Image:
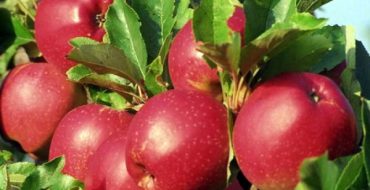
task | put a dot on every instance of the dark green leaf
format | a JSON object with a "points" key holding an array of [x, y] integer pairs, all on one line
{"points": [[262, 15], [183, 13], [123, 29], [362, 69], [351, 172], [210, 21], [83, 75], [361, 181], [349, 83], [310, 5], [366, 137], [318, 51], [65, 182], [105, 58], [157, 22], [280, 36], [22, 36], [318, 173]]}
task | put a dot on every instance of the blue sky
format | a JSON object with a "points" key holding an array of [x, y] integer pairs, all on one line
{"points": [[350, 12]]}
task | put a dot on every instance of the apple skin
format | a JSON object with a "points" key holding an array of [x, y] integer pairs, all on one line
{"points": [[187, 68], [81, 132], [179, 140], [58, 21], [34, 98], [281, 124], [107, 167]]}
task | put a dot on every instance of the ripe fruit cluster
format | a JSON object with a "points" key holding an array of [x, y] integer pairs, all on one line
{"points": [[179, 139]]}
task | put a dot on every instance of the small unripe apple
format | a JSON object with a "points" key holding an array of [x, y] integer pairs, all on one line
{"points": [[179, 140], [287, 119], [81, 132], [188, 70], [106, 169], [34, 98], [58, 21]]}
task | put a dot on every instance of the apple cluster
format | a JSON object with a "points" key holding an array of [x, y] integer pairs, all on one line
{"points": [[181, 139]]}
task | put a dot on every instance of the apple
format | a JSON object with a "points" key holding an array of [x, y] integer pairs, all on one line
{"points": [[187, 68], [106, 169], [179, 140], [287, 119], [58, 21], [81, 132], [34, 98]]}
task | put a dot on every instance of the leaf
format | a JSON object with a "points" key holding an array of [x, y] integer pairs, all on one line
{"points": [[83, 75], [105, 58], [280, 36], [22, 36], [157, 22], [5, 156], [362, 69], [210, 21], [107, 97], [123, 28], [318, 173], [351, 172], [48, 175], [317, 51], [262, 15], [366, 137], [153, 81], [310, 5], [226, 56], [183, 13], [3, 177]]}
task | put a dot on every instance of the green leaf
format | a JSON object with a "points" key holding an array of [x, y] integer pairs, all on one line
{"points": [[48, 175], [5, 156], [262, 15], [22, 36], [318, 173], [277, 38], [366, 138], [317, 51], [310, 5], [157, 22], [351, 172], [105, 58], [349, 83], [83, 75], [123, 28], [183, 13], [3, 177], [362, 69], [107, 97], [210, 21], [81, 41], [153, 80]]}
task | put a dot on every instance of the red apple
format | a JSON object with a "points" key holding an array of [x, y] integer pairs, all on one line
{"points": [[188, 70], [179, 140], [34, 98], [58, 21], [287, 119], [107, 167], [82, 131]]}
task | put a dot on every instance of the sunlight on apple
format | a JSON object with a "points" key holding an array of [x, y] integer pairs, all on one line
{"points": [[162, 138], [86, 135]]}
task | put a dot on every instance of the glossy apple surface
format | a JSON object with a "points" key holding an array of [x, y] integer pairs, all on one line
{"points": [[81, 132], [107, 167], [188, 70], [58, 21], [34, 98], [287, 119], [179, 140]]}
